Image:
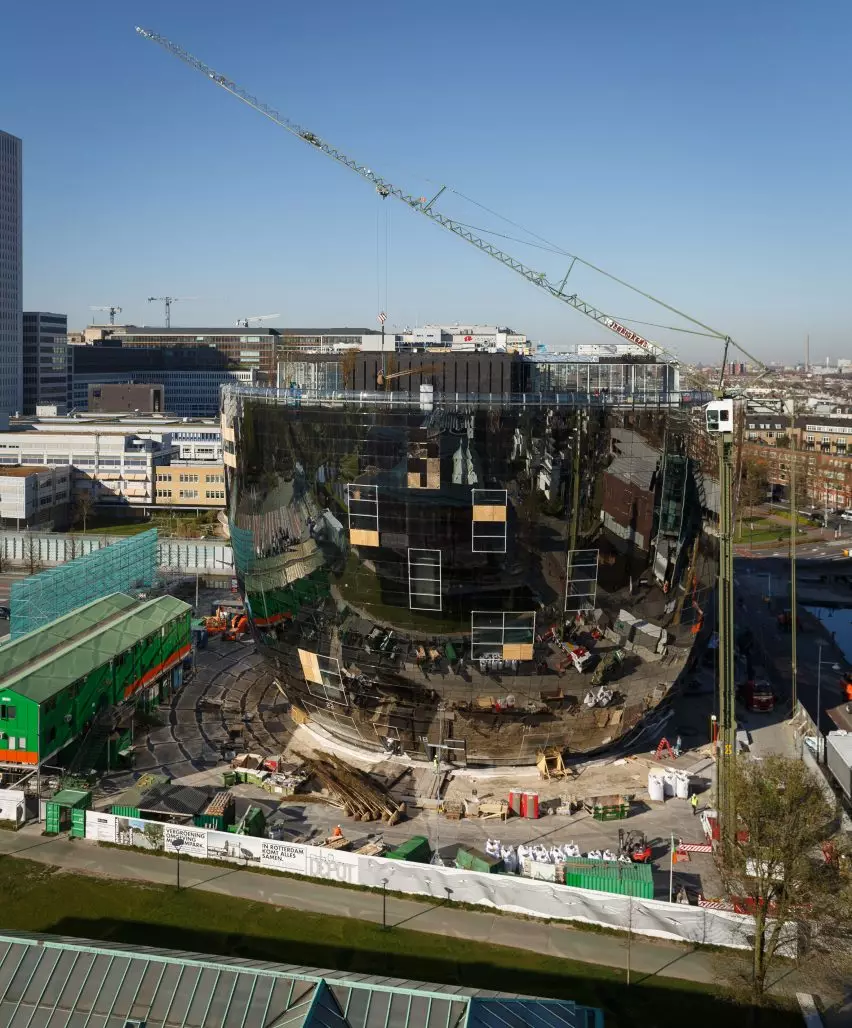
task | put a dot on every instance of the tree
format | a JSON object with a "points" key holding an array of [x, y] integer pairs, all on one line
{"points": [[84, 506], [753, 485], [777, 871], [32, 553]]}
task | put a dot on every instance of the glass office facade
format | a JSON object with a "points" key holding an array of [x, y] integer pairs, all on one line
{"points": [[406, 562]]}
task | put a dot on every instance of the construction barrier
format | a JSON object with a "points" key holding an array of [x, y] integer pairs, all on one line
{"points": [[508, 893]]}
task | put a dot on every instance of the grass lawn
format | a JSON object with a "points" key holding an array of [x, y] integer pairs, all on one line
{"points": [[760, 530], [45, 899], [115, 527]]}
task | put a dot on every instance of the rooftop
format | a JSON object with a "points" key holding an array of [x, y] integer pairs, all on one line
{"points": [[49, 666], [29, 647], [21, 471], [54, 982]]}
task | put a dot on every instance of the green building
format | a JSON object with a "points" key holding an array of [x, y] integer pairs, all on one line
{"points": [[60, 680]]}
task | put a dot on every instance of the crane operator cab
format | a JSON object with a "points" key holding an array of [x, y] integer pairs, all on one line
{"points": [[720, 416]]}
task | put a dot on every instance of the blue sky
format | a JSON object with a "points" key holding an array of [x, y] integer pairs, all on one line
{"points": [[701, 152]]}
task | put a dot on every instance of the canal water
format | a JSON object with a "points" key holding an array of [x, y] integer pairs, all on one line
{"points": [[839, 621]]}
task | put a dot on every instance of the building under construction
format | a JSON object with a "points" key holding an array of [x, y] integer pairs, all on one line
{"points": [[431, 546]]}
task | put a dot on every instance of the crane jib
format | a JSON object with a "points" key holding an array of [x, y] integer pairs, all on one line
{"points": [[628, 333]]}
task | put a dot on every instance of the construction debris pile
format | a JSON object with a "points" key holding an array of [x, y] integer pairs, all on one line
{"points": [[353, 790]]}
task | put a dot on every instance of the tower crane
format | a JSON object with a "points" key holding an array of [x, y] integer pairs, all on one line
{"points": [[721, 427], [113, 310], [245, 322], [168, 301]]}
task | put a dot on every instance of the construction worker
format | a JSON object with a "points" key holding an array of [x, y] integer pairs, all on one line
{"points": [[337, 833], [694, 803]]}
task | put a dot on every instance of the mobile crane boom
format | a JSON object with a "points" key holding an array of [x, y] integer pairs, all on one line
{"points": [[420, 204]]}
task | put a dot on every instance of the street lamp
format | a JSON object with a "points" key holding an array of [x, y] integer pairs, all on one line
{"points": [[384, 904], [769, 587], [177, 843], [835, 667]]}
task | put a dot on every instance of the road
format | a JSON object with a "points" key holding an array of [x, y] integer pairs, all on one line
{"points": [[752, 588]]}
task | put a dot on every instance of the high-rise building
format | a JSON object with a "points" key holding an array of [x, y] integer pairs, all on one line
{"points": [[11, 342], [45, 365]]}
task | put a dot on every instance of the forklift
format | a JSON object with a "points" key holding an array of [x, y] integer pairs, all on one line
{"points": [[633, 844]]}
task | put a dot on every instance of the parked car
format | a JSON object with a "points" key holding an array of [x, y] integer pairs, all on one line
{"points": [[846, 515], [5, 613]]}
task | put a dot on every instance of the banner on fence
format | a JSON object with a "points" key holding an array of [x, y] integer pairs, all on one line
{"points": [[508, 893]]}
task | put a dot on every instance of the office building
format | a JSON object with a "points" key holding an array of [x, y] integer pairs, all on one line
{"points": [[191, 376], [45, 365], [411, 556], [115, 460], [35, 497], [11, 264], [243, 349]]}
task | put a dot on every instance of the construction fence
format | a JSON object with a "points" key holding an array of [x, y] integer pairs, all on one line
{"points": [[508, 893]]}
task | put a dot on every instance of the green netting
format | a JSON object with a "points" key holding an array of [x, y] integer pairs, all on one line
{"points": [[120, 567]]}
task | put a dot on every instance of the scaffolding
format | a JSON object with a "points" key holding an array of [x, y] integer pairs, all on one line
{"points": [[41, 599]]}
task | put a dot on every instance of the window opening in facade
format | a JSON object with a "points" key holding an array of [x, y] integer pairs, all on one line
{"points": [[488, 531], [502, 635], [362, 504], [581, 581], [424, 579]]}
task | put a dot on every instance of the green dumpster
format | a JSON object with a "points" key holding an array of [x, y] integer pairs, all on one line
{"points": [[416, 849]]}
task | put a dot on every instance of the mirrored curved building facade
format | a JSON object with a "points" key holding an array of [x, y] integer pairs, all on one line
{"points": [[410, 557]]}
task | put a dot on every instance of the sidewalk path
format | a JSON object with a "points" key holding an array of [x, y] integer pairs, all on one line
{"points": [[646, 957]]}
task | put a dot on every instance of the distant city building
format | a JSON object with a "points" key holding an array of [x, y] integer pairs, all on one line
{"points": [[244, 349], [126, 397], [489, 338], [328, 340], [115, 460], [45, 363], [191, 376], [35, 497], [11, 329]]}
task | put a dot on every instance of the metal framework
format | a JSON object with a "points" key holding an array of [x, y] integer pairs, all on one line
{"points": [[727, 696], [581, 581], [488, 524], [502, 635], [424, 579], [40, 599]]}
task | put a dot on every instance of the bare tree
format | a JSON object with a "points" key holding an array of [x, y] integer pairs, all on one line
{"points": [[32, 554], [777, 872], [84, 506]]}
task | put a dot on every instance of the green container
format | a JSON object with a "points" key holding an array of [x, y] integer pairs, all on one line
{"points": [[608, 876], [214, 821], [617, 812], [416, 849], [230, 778], [76, 799], [254, 822], [471, 859], [122, 811], [78, 822], [53, 818]]}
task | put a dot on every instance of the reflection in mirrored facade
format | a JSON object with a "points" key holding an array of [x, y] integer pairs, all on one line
{"points": [[408, 557]]}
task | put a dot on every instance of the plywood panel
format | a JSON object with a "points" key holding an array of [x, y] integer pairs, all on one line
{"points": [[488, 512], [361, 537], [518, 651], [310, 667]]}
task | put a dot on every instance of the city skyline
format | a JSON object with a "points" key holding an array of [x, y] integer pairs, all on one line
{"points": [[155, 194]]}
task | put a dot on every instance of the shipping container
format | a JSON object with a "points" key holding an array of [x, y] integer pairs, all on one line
{"points": [[416, 849], [471, 859], [607, 876], [254, 822], [122, 811]]}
